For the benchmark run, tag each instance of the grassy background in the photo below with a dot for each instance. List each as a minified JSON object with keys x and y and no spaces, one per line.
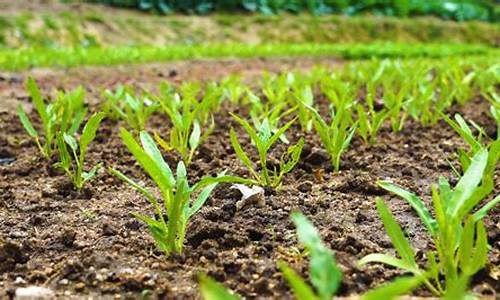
{"x":89,"y":26}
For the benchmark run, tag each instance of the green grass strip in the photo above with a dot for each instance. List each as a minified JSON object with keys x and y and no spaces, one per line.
{"x":26,"y":58}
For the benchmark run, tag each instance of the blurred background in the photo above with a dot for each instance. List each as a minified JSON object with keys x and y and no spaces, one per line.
{"x":58,"y":23}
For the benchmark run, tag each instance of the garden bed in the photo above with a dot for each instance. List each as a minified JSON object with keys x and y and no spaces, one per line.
{"x":88,"y":243}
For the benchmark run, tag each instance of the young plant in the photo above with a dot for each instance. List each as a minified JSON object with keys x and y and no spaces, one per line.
{"x":336,"y":136}
{"x":394,"y":102}
{"x":134,"y":110}
{"x":494,"y":98}
{"x":261,"y":112}
{"x":324,"y":273}
{"x":65,"y":114}
{"x":263,"y":140}
{"x":112,"y":105}
{"x":475,"y":143}
{"x":212,"y":290}
{"x":176,"y":193}
{"x":186,"y":132}
{"x":233,"y":88}
{"x":458,"y":234}
{"x":73,"y":164}
{"x":303,"y":98}
{"x":369,"y":122}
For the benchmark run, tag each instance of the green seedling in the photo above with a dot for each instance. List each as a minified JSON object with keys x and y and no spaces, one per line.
{"x":462,"y":83}
{"x":263,"y":140}
{"x":475,"y":143}
{"x":494,"y":98}
{"x":324,"y":273}
{"x":134,"y":110}
{"x":458,"y":233}
{"x":233,"y":88}
{"x":186,"y":131}
{"x":65,"y":114}
{"x":175,"y":191}
{"x":112,"y":105}
{"x":137,"y":111}
{"x":73,"y":164}
{"x":212,"y":290}
{"x":336,"y":136}
{"x":276,"y":89}
{"x":261,"y":112}
{"x":302,"y":99}
{"x":370,"y":122}
{"x":394,"y":102}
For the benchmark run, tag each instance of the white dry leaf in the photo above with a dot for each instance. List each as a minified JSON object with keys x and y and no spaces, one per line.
{"x":34,"y":292}
{"x":253,"y":195}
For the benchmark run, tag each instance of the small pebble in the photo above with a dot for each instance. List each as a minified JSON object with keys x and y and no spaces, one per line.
{"x":79,"y":286}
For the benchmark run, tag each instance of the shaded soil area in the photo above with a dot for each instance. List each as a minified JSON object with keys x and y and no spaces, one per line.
{"x":88,"y":243}
{"x":96,"y":79}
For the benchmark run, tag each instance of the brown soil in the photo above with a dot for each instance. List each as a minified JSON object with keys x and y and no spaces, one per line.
{"x":87,"y":243}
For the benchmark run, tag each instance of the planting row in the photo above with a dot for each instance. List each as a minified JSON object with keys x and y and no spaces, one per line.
{"x":25,"y":58}
{"x":360,"y":98}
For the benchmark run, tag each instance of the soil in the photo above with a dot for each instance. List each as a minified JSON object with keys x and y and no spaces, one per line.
{"x":88,"y":244}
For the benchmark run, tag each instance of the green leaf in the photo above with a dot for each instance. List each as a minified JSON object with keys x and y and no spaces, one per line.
{"x":264,"y":131}
{"x":64,"y":158}
{"x":396,"y":234}
{"x":157,"y":229}
{"x":415,"y":202}
{"x":36,"y":96}
{"x":194,"y":139}
{"x":89,"y":131}
{"x":467,"y":185}
{"x":241,"y":153}
{"x":395,"y":288}
{"x":481,"y":213}
{"x":77,"y":121}
{"x":147,"y":163}
{"x":212,"y":290}
{"x":324,"y":273}
{"x":26,"y":122}
{"x":480,"y":257}
{"x":301,"y":290}
{"x":181,"y":171}
{"x":135,"y":185}
{"x":251,"y":132}
{"x":201,"y":199}
{"x":152,"y":150}
{"x":386,"y":259}
{"x":457,"y":289}
{"x":466,"y":244}
{"x":91,"y":174}
{"x":268,"y":144}
{"x":70,"y":141}
{"x":294,"y":156}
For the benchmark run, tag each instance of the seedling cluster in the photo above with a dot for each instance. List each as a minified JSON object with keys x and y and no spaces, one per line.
{"x":357,"y":101}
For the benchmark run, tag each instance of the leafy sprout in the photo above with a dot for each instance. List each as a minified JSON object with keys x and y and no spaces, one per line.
{"x":263,"y":140}
{"x":65,"y":114}
{"x":336,"y":136}
{"x":186,"y":131}
{"x":72,"y":160}
{"x":324,"y":273}
{"x":458,"y":234}
{"x":168,"y":232}
{"x":475,"y":143}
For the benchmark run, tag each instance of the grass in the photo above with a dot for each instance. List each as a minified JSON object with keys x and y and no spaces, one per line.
{"x":68,"y":29}
{"x":26,"y":58}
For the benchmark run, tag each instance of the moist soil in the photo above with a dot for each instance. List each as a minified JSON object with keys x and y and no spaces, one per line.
{"x":87,"y":243}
